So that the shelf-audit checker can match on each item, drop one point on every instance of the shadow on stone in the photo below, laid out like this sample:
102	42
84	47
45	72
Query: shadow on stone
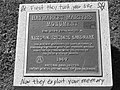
116	67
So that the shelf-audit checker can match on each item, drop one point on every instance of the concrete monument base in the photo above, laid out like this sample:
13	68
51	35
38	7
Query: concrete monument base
63	46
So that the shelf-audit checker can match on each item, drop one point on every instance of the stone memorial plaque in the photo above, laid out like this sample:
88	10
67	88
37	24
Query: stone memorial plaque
64	43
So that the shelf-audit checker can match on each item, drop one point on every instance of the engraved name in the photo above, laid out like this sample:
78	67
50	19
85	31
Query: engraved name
62	24
61	17
63	37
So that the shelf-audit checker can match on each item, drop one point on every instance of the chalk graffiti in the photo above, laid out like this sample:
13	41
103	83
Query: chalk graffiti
101	5
61	81
23	8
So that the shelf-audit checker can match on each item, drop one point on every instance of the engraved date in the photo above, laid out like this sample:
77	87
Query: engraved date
62	59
